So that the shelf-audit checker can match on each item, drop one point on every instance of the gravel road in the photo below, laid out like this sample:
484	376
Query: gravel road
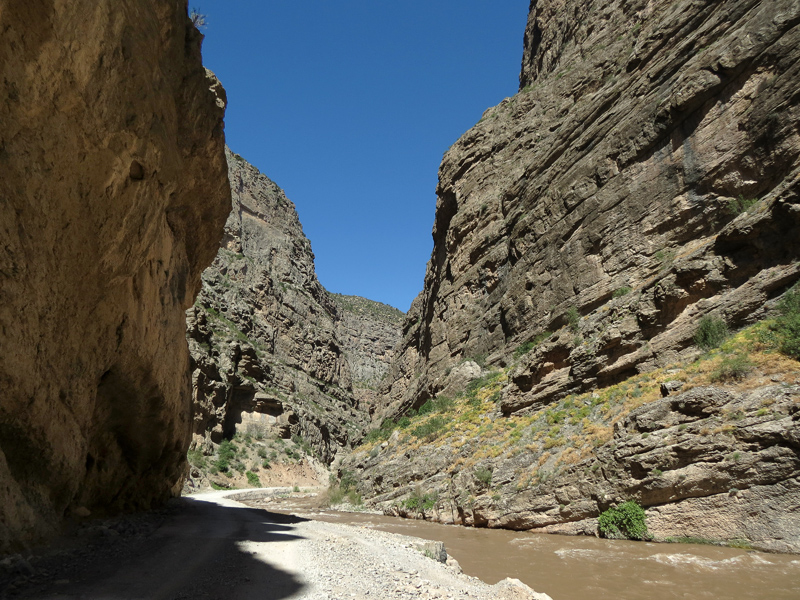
209	546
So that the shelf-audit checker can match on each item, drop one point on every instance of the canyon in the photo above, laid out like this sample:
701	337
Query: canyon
643	181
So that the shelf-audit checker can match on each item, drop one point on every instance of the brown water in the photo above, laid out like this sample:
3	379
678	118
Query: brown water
580	568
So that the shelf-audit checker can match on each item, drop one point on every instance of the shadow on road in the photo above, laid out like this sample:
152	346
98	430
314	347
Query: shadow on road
203	550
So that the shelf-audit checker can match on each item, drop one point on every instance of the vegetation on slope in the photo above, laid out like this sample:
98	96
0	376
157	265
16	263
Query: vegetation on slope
543	442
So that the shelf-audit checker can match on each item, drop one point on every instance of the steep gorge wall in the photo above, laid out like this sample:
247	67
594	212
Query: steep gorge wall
646	175
605	186
369	332
272	351
114	193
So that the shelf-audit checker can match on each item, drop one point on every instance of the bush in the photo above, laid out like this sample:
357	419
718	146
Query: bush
737	206
253	479
430	428
225	454
573	318
619	292
523	349
419	501
711	332
196	459
483	475
737	366
788	323
626	521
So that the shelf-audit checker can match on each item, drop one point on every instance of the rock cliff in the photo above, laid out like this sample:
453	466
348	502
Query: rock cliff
369	332
274	353
645	175
114	193
717	462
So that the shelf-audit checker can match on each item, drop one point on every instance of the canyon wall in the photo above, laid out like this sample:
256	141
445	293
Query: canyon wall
114	193
273	353
645	175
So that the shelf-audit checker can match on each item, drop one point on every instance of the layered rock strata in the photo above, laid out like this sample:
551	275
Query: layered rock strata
114	193
646	174
273	352
369	332
712	462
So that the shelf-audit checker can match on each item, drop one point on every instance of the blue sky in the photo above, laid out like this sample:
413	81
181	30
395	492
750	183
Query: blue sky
349	105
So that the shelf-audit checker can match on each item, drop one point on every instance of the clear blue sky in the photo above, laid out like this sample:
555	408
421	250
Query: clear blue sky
349	105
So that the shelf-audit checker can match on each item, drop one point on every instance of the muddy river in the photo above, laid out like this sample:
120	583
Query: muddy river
577	568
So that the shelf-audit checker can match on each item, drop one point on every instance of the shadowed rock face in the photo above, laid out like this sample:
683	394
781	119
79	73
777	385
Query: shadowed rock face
114	193
606	186
273	352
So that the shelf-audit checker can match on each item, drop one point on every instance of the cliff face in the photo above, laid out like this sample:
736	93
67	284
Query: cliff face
114	193
369	332
646	175
271	350
608	194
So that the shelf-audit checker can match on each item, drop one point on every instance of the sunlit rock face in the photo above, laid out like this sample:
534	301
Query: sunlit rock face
646	175
611	187
114	193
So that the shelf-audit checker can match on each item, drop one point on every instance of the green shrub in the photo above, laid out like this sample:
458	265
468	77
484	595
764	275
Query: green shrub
419	501
573	318
788	323
262	453
348	480
483	475
737	206
711	332
523	349
430	428
196	459
354	498
733	367
626	521
253	479
619	292
225	454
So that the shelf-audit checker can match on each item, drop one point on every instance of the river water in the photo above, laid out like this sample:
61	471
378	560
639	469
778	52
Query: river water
580	568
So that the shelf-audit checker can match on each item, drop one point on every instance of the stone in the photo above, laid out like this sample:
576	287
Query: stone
432	549
608	186
709	462
668	387
273	353
99	257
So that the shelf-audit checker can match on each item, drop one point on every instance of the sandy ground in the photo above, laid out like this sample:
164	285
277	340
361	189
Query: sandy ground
211	546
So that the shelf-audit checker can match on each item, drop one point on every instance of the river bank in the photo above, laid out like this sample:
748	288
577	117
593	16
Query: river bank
211	546
577	567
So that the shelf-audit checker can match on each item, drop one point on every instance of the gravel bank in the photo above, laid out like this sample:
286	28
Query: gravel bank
211	546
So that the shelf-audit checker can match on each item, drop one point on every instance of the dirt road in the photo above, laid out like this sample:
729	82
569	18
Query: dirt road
211	546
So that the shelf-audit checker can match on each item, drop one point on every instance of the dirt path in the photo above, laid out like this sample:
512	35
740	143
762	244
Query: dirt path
211	546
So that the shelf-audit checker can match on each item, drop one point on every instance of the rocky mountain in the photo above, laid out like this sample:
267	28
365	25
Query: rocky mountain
273	353
114	193
369	332
710	449
645	177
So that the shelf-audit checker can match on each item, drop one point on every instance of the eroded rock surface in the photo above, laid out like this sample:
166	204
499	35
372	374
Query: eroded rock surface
369	332
608	194
712	463
114	193
273	352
